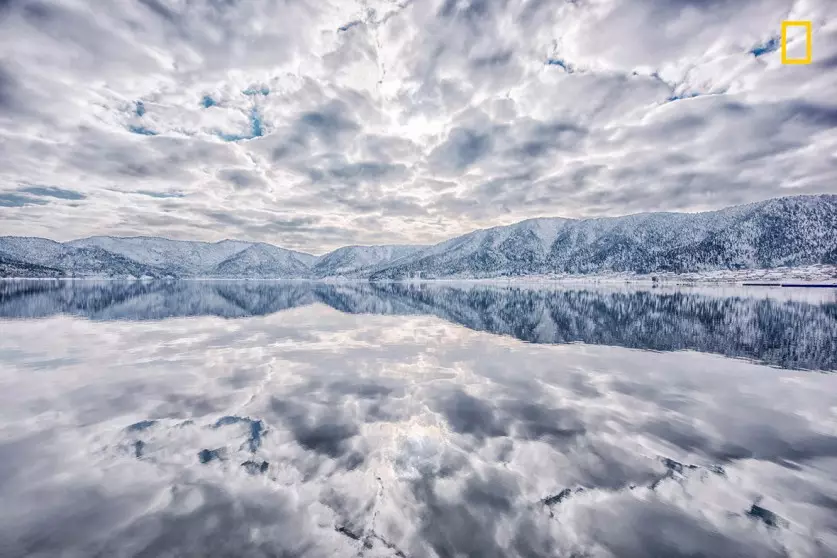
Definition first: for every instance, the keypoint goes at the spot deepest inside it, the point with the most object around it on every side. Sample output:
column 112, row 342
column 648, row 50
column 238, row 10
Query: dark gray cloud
column 39, row 12
column 367, row 170
column 241, row 178
column 276, row 223
column 463, row 148
column 469, row 415
column 325, row 432
column 545, row 138
column 160, row 10
column 8, row 87
column 328, row 124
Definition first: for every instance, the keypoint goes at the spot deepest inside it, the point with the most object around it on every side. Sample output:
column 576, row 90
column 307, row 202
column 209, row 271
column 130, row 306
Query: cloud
column 410, row 434
column 8, row 88
column 241, row 177
column 160, row 195
column 463, row 148
column 404, row 122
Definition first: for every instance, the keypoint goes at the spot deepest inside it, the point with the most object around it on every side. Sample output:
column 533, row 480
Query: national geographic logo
column 788, row 25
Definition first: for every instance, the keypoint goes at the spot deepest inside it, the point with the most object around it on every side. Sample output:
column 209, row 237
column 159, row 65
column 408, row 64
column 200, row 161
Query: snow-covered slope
column 356, row 260
column 263, row 261
column 176, row 257
column 791, row 232
column 786, row 231
column 39, row 257
column 106, row 256
column 522, row 246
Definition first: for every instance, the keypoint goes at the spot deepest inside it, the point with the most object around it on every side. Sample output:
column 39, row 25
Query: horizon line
column 385, row 245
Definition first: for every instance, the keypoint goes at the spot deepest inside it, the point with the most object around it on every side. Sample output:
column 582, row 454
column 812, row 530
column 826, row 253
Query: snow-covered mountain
column 792, row 232
column 105, row 256
column 484, row 253
column 352, row 261
column 39, row 257
column 264, row 261
column 180, row 258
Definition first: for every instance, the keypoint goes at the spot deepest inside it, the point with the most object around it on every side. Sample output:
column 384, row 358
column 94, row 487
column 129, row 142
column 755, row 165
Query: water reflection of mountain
column 784, row 333
column 114, row 300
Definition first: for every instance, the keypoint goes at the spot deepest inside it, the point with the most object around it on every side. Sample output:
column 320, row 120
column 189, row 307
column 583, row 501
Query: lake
column 268, row 419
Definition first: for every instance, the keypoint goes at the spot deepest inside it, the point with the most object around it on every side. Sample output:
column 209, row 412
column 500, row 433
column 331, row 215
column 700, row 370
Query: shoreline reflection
column 796, row 334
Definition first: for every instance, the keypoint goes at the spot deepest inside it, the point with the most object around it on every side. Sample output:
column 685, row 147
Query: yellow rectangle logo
column 808, row 42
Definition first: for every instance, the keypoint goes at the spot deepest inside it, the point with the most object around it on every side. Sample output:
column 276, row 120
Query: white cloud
column 402, row 121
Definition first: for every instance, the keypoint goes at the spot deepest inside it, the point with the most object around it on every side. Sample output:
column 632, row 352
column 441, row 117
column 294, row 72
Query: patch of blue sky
column 681, row 96
column 141, row 425
column 561, row 64
column 208, row 101
column 771, row 45
column 252, row 91
column 140, row 108
column 159, row 195
column 232, row 137
column 256, row 124
column 17, row 200
column 349, row 25
column 53, row 192
column 141, row 130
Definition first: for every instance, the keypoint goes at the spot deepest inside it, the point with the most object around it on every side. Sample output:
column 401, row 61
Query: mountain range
column 787, row 232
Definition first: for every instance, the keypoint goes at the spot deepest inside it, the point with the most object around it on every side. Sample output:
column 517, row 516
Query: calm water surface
column 267, row 419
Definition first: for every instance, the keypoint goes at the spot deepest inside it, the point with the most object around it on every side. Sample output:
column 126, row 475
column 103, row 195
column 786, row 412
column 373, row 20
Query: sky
column 313, row 124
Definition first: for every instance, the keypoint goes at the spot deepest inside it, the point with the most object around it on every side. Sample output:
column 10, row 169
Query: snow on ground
column 812, row 274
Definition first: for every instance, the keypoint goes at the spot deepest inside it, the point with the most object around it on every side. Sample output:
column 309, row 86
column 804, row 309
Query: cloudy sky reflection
column 399, row 435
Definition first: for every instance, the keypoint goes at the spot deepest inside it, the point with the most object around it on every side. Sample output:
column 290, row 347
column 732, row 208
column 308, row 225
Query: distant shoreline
column 819, row 276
